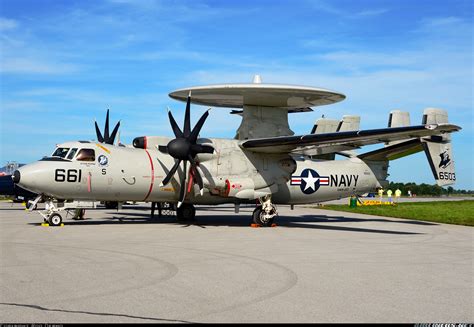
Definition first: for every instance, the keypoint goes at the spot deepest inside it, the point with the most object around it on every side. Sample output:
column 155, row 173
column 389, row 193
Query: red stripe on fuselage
column 152, row 175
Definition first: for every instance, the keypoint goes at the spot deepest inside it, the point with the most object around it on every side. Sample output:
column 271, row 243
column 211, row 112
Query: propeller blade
column 98, row 133
column 187, row 119
column 171, row 173
column 196, row 174
column 176, row 130
column 106, row 129
column 163, row 149
column 194, row 134
column 182, row 191
column 114, row 133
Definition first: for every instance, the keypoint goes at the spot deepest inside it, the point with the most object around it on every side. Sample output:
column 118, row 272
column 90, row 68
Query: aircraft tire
column 257, row 220
column 55, row 219
column 186, row 213
column 111, row 204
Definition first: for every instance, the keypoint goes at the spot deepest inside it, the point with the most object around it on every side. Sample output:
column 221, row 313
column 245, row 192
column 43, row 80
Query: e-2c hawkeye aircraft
column 264, row 164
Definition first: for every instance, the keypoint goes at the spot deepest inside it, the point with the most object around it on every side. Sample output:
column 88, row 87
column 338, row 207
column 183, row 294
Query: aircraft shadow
column 232, row 220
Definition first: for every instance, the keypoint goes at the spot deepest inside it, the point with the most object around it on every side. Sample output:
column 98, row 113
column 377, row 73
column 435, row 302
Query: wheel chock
column 258, row 225
column 48, row 225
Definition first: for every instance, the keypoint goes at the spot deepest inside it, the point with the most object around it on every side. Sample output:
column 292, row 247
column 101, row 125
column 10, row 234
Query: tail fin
column 349, row 123
column 325, row 125
column 437, row 148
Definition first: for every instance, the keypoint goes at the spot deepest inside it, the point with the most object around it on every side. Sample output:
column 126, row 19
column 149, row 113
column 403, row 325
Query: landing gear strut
column 265, row 213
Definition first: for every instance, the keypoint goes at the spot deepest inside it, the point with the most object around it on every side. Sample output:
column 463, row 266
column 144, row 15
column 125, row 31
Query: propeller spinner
column 108, row 139
column 184, row 148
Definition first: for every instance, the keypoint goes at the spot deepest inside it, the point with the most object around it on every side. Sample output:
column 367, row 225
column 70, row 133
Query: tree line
column 426, row 189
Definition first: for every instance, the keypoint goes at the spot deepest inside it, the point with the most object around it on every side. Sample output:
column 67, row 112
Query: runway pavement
column 315, row 266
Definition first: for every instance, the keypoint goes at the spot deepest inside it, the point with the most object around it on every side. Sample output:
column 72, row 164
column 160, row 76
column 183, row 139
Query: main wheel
column 55, row 219
column 186, row 213
column 256, row 215
column 111, row 204
column 257, row 218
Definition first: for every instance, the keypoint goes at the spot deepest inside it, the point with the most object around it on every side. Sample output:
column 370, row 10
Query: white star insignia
column 310, row 181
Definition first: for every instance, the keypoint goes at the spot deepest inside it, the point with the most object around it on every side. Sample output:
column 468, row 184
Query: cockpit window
column 71, row 153
column 60, row 152
column 86, row 155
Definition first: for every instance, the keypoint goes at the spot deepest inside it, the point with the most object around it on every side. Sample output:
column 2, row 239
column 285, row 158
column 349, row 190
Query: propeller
column 108, row 139
column 184, row 148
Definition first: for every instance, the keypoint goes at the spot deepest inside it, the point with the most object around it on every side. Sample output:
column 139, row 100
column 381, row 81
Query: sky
column 64, row 63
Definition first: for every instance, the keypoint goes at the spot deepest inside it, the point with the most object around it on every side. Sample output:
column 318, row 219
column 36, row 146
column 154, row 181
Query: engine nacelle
column 239, row 187
column 150, row 142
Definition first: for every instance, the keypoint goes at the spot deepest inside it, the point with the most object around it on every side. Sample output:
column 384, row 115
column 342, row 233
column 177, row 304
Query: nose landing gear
column 51, row 215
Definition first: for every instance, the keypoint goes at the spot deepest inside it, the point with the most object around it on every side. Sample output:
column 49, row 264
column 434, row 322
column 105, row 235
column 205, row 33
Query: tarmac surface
column 315, row 266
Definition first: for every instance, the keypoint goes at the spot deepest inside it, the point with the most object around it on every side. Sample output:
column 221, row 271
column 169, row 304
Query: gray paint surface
column 316, row 266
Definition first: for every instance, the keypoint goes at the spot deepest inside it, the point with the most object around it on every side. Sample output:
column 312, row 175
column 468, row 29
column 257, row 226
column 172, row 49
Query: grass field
column 447, row 212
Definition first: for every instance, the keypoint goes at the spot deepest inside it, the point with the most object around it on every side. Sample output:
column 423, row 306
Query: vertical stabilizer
column 438, row 148
column 325, row 125
column 398, row 118
column 349, row 123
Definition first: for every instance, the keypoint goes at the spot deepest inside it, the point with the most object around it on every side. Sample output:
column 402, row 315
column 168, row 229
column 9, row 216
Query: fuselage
column 102, row 172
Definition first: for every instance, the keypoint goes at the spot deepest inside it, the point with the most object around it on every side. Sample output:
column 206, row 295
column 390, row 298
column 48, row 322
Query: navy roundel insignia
column 309, row 181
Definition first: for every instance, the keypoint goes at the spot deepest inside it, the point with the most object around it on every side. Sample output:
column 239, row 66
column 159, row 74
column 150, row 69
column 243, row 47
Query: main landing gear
column 186, row 213
column 265, row 213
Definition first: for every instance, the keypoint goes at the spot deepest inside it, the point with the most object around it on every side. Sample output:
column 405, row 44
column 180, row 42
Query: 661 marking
column 68, row 175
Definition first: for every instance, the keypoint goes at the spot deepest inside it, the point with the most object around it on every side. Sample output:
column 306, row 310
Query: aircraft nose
column 16, row 177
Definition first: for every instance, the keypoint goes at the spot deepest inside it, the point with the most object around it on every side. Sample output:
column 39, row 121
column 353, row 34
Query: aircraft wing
column 344, row 140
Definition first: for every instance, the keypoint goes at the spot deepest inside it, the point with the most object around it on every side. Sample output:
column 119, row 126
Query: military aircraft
column 264, row 164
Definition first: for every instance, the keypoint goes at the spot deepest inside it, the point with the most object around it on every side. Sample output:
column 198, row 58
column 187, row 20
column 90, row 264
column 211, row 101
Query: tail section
column 437, row 148
column 326, row 125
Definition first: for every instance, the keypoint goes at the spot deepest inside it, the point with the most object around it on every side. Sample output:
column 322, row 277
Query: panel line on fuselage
column 152, row 181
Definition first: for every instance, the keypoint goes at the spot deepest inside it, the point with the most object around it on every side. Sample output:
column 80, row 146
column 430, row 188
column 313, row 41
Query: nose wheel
column 55, row 219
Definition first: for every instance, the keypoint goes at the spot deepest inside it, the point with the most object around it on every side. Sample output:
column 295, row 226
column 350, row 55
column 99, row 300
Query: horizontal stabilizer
column 395, row 151
column 345, row 140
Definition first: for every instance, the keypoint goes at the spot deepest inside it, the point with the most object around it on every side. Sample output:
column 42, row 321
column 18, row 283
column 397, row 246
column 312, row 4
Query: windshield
column 60, row 152
column 72, row 153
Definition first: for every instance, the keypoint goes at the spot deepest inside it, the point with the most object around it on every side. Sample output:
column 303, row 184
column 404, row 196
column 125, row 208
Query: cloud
column 7, row 24
column 441, row 21
column 373, row 12
column 35, row 66
column 350, row 14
